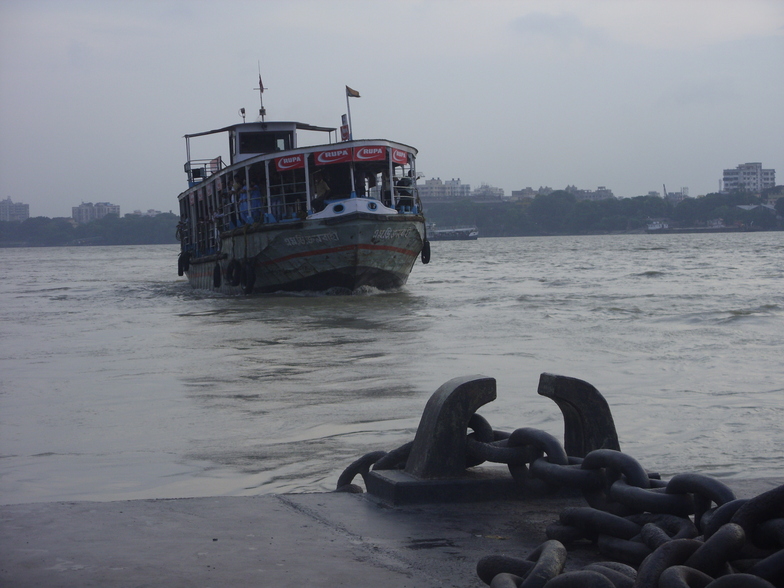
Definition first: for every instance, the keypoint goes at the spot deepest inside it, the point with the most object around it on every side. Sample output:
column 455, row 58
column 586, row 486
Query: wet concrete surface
column 323, row 539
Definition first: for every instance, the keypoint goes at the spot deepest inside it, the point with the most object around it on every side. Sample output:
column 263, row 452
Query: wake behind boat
column 278, row 217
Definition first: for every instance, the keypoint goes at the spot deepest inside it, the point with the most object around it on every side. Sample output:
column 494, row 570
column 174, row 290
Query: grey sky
column 95, row 96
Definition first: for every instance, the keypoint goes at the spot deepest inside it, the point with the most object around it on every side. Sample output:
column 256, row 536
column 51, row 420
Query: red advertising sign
column 399, row 156
column 370, row 153
column 332, row 156
column 290, row 162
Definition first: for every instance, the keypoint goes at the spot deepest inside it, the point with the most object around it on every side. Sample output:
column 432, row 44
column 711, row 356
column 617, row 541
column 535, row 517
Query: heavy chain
column 688, row 532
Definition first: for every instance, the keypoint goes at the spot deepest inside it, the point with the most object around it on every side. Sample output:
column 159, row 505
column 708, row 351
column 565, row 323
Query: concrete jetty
column 319, row 539
column 425, row 526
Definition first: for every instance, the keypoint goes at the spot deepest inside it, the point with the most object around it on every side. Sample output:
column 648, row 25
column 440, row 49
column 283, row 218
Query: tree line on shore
column 560, row 213
column 110, row 230
column 557, row 213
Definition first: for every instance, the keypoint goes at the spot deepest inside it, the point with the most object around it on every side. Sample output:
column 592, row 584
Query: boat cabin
column 269, row 179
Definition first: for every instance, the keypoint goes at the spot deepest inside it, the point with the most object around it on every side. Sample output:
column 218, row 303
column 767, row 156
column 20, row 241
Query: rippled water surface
column 119, row 381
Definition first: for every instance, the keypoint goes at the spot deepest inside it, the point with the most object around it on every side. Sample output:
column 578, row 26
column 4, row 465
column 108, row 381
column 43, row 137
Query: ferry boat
column 280, row 217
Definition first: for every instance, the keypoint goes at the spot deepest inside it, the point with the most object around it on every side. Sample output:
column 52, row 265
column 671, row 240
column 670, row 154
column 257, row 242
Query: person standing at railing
column 403, row 185
column 255, row 203
column 244, row 207
column 236, row 187
column 321, row 188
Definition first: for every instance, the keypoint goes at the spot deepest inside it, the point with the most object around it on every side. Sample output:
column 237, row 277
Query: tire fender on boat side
column 216, row 276
column 183, row 262
column 234, row 273
column 248, row 277
column 426, row 253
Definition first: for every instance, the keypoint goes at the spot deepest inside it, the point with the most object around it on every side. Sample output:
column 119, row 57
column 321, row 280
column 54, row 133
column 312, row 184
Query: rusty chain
column 690, row 531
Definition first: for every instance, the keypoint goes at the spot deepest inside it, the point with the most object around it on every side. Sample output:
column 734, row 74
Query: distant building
column 748, row 207
column 601, row 193
column 487, row 193
column 750, row 177
column 87, row 211
column 13, row 211
column 150, row 212
column 531, row 193
column 676, row 197
column 436, row 190
column 524, row 193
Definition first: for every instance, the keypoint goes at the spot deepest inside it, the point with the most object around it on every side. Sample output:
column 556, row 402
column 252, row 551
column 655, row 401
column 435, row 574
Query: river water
column 118, row 381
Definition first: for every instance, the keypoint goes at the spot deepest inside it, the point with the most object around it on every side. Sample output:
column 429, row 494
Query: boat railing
column 287, row 202
column 199, row 170
column 203, row 240
column 220, row 201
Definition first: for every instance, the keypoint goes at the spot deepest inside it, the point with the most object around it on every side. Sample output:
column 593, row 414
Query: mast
column 262, row 112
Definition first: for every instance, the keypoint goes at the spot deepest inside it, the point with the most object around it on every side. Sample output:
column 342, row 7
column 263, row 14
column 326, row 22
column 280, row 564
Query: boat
column 657, row 227
column 274, row 216
column 452, row 233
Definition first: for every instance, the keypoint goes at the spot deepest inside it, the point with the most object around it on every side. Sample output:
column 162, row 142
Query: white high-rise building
column 13, row 211
column 87, row 211
column 750, row 177
column 435, row 189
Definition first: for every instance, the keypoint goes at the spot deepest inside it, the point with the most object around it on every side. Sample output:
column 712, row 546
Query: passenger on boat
column 245, row 216
column 406, row 200
column 216, row 222
column 236, row 189
column 402, row 184
column 386, row 193
column 340, row 184
column 225, row 201
column 322, row 191
column 255, row 203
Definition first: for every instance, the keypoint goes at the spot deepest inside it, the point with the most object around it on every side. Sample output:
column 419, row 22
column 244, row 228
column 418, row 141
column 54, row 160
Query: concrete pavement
column 329, row 539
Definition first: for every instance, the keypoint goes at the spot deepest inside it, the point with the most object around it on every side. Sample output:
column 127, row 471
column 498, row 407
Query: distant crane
column 664, row 188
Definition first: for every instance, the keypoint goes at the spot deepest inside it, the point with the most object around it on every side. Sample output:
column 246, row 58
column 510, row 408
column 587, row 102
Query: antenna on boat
column 262, row 112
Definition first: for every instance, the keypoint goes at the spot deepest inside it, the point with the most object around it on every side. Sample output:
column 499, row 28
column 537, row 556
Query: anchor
column 588, row 422
column 439, row 448
column 436, row 469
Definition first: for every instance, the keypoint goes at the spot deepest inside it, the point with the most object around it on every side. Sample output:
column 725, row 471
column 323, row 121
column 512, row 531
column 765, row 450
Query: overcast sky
column 95, row 96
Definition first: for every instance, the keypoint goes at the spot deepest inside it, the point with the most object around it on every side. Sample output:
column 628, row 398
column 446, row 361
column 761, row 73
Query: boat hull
column 347, row 252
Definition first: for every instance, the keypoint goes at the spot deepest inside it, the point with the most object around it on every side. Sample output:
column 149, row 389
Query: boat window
column 264, row 142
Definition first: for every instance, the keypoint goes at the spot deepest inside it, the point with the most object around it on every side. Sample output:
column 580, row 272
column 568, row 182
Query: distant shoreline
column 672, row 231
column 708, row 230
column 109, row 230
column 20, row 245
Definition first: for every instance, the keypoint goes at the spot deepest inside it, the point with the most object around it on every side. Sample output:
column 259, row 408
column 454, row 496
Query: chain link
column 671, row 531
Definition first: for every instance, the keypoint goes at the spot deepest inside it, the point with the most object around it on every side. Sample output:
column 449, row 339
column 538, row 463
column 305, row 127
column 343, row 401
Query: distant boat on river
column 452, row 233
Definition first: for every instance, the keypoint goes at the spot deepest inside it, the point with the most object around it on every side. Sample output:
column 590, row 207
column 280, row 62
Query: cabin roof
column 273, row 124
